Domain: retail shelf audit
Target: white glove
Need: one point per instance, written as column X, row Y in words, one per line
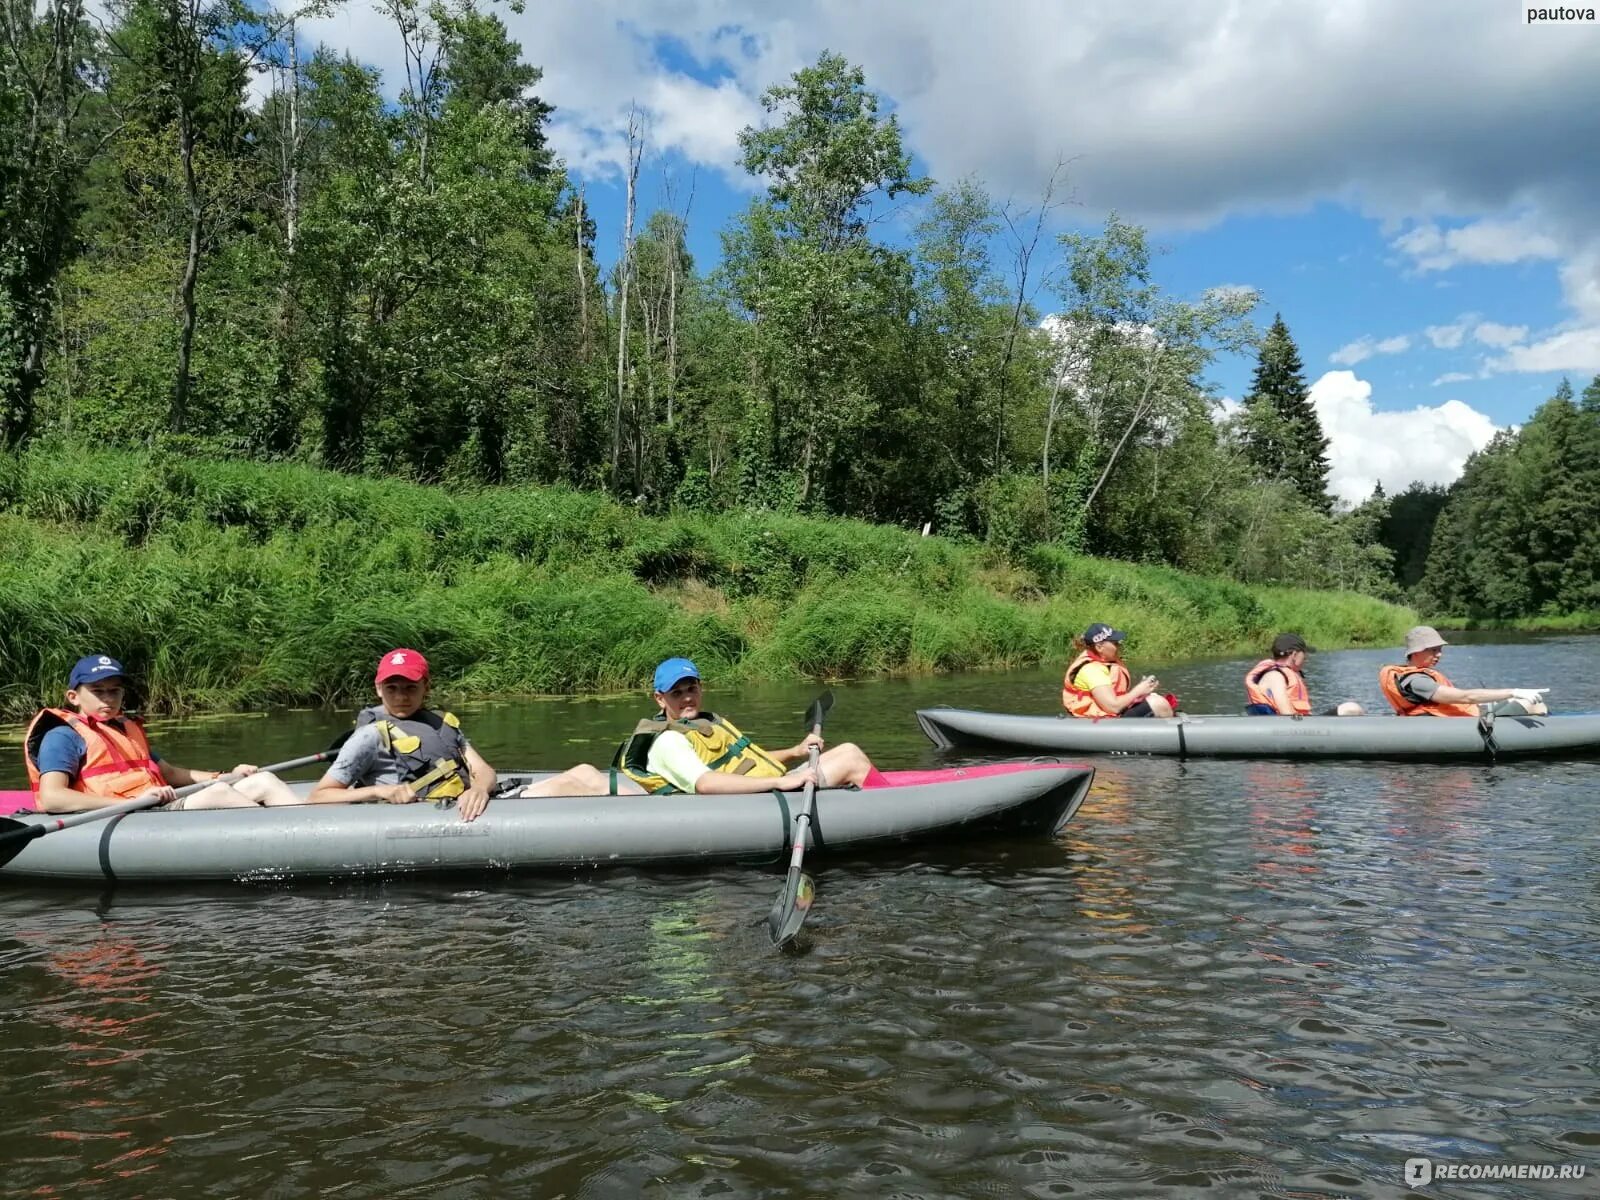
column 1528, row 695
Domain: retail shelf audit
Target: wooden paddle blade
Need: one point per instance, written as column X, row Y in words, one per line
column 792, row 908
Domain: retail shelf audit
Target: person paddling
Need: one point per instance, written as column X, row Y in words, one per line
column 1276, row 686
column 93, row 755
column 1416, row 688
column 1097, row 683
column 684, row 748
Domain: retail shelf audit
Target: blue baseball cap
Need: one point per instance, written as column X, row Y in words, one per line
column 1101, row 632
column 92, row 668
column 674, row 671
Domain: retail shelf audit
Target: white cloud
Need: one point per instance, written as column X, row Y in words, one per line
column 1451, row 377
column 1365, row 347
column 1488, row 242
column 1571, row 350
column 1492, row 334
column 1367, row 447
column 1448, row 337
column 1439, row 116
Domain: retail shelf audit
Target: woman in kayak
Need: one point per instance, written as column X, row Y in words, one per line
column 684, row 748
column 91, row 755
column 1097, row 683
column 1276, row 686
column 1415, row 688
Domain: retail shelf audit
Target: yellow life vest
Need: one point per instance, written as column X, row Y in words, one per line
column 429, row 746
column 716, row 742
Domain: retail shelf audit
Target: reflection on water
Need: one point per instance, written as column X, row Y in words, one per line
column 1225, row 978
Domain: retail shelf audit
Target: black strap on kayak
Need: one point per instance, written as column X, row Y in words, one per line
column 1183, row 744
column 1486, row 731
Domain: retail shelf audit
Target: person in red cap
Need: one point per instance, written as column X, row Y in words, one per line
column 403, row 751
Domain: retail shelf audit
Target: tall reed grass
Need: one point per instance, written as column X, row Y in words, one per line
column 229, row 584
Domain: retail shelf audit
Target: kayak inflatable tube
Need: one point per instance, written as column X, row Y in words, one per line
column 1225, row 736
column 339, row 840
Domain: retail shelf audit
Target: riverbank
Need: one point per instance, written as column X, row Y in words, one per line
column 1576, row 622
column 239, row 585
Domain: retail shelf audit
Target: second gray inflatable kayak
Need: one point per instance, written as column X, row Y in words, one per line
column 266, row 844
column 1268, row 737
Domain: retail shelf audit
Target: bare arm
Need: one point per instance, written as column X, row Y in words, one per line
column 1108, row 699
column 718, row 783
column 1277, row 690
column 330, row 791
column 57, row 795
column 1454, row 695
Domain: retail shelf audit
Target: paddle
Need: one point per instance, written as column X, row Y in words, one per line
column 15, row 835
column 789, row 913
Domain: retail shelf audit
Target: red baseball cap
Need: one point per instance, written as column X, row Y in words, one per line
column 407, row 664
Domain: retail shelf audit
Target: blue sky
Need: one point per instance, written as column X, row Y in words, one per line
column 1411, row 186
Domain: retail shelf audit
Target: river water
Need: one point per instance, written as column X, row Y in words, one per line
column 1224, row 979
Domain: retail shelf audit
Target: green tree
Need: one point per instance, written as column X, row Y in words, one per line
column 47, row 58
column 1283, row 433
column 801, row 263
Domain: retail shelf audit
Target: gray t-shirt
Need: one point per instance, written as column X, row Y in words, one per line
column 364, row 762
column 1418, row 687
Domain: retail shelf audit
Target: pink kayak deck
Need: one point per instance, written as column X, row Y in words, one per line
column 948, row 774
column 18, row 802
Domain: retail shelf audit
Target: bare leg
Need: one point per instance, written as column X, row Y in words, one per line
column 582, row 780
column 1349, row 708
column 1159, row 705
column 218, row 795
column 266, row 788
column 844, row 765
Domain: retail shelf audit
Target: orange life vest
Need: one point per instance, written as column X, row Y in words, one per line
column 1081, row 703
column 1299, row 698
column 1389, row 680
column 117, row 761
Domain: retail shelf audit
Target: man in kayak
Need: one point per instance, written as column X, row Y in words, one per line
column 92, row 755
column 1416, row 688
column 1097, row 683
column 1276, row 686
column 684, row 748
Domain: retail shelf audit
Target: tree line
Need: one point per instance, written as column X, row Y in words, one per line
column 220, row 243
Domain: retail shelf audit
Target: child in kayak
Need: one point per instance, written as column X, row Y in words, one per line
column 402, row 752
column 683, row 748
column 92, row 755
column 1276, row 686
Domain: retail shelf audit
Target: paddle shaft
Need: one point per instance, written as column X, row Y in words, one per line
column 28, row 832
column 802, row 823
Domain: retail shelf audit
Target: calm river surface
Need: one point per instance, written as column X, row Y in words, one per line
column 1225, row 979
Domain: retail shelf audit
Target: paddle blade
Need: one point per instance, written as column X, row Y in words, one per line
column 14, row 835
column 819, row 709
column 792, row 908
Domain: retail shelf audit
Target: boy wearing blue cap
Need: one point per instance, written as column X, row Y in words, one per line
column 91, row 756
column 685, row 749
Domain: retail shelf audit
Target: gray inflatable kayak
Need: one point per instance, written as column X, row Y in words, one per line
column 267, row 844
column 1268, row 737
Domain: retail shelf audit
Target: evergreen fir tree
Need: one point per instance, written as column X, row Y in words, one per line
column 1282, row 432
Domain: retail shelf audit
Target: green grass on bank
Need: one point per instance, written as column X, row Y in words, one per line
column 1575, row 622
column 225, row 584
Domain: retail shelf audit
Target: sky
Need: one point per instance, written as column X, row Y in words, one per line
column 1411, row 186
